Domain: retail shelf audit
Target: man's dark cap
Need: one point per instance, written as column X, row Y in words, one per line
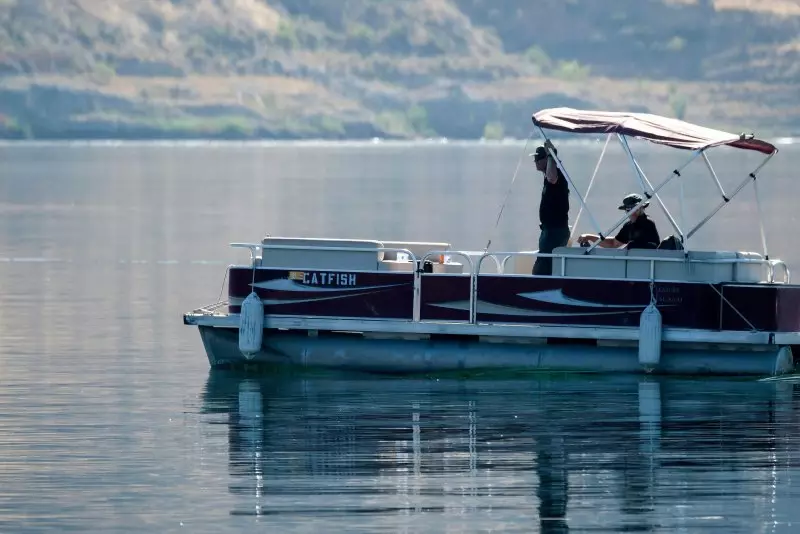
column 541, row 152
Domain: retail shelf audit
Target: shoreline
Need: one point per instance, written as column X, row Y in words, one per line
column 779, row 141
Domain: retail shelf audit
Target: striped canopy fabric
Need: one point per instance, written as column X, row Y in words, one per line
column 654, row 128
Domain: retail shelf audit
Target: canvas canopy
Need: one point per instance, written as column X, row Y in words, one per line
column 654, row 128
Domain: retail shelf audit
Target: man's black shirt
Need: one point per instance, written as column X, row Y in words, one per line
column 639, row 234
column 554, row 206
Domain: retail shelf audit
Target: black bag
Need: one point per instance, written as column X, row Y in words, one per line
column 670, row 243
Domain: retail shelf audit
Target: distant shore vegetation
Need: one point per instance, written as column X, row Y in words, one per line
column 461, row 69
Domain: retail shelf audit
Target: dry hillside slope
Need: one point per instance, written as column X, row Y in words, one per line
column 364, row 68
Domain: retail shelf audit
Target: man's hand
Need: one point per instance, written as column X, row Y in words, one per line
column 548, row 145
column 584, row 239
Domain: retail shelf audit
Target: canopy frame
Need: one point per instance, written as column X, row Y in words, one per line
column 649, row 191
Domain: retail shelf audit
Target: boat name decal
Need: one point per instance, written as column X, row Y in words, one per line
column 324, row 279
column 668, row 295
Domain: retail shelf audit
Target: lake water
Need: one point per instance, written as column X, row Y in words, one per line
column 110, row 420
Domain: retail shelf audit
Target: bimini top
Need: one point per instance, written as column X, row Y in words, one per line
column 654, row 128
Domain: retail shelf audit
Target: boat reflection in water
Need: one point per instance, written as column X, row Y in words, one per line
column 614, row 453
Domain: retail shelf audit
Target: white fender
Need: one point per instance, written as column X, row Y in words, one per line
column 650, row 336
column 251, row 326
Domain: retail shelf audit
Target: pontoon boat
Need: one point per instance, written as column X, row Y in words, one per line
column 402, row 307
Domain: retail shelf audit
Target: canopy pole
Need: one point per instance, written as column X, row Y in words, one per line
column 645, row 183
column 569, row 181
column 682, row 201
column 588, row 189
column 760, row 218
column 661, row 202
column 676, row 172
column 751, row 176
column 714, row 175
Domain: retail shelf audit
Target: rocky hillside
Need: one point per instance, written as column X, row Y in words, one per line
column 401, row 68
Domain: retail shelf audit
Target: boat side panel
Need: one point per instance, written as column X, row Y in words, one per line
column 757, row 304
column 387, row 295
column 576, row 301
column 445, row 297
column 788, row 309
column 517, row 299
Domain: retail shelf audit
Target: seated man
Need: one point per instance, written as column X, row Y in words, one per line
column 638, row 232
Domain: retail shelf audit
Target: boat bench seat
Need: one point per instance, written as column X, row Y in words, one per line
column 672, row 266
column 722, row 266
column 600, row 263
column 589, row 266
column 668, row 265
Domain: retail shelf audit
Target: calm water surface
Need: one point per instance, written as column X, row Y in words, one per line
column 110, row 420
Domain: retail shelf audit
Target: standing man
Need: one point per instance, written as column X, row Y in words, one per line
column 553, row 208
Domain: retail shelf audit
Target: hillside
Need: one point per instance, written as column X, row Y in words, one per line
column 405, row 68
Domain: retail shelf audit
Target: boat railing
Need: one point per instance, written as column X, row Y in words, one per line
column 467, row 255
column 479, row 254
column 460, row 253
column 787, row 275
column 252, row 247
column 213, row 309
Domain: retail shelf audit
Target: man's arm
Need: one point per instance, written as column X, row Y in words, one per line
column 607, row 242
column 551, row 173
column 611, row 242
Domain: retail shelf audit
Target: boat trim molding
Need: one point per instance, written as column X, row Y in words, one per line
column 525, row 331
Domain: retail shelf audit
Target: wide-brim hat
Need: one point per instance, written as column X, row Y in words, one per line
column 632, row 200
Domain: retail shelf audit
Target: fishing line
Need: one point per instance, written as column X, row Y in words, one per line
column 508, row 193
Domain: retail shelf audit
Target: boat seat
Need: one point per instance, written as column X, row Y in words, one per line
column 639, row 269
column 710, row 272
column 725, row 271
column 593, row 265
column 315, row 253
column 749, row 272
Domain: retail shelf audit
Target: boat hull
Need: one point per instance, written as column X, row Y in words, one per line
column 358, row 310
column 355, row 352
